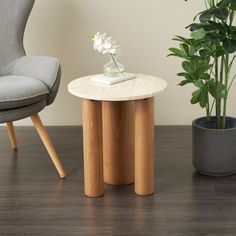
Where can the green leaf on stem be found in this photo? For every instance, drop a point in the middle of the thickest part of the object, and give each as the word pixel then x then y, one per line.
pixel 187 66
pixel 230 45
pixel 213 37
pixel 177 53
pixel 195 96
pixel 217 26
pixel 226 3
pixel 184 82
pixel 198 34
pixel 202 97
pixel 216 89
pixel 199 83
pixel 220 13
pixel 195 26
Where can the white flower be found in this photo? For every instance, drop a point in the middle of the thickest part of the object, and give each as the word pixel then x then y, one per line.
pixel 113 51
pixel 100 48
pixel 97 43
pixel 107 45
pixel 104 44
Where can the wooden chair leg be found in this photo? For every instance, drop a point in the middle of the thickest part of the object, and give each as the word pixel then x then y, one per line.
pixel 48 144
pixel 12 135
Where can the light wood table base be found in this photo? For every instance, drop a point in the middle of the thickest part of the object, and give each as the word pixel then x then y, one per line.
pixel 116 133
pixel 93 153
pixel 118 142
pixel 144 147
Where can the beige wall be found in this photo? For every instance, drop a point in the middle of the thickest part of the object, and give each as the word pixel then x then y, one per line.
pixel 143 28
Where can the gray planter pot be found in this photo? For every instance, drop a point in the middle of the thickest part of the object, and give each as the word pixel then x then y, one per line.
pixel 214 150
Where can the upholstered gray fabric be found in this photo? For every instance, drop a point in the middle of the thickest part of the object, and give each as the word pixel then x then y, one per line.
pixel 45 69
pixel 25 81
pixel 53 91
pixel 22 112
pixel 19 91
pixel 13 18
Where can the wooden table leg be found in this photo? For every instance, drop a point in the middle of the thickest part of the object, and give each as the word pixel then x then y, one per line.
pixel 93 154
pixel 144 147
pixel 118 142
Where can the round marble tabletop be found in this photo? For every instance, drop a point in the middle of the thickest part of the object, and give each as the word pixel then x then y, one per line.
pixel 141 87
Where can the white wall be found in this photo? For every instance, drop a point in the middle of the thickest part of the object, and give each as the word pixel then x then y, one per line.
pixel 143 28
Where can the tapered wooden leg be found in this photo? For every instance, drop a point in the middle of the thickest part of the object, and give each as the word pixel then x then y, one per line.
pixel 92 138
pixel 118 142
pixel 12 135
pixel 144 147
pixel 48 144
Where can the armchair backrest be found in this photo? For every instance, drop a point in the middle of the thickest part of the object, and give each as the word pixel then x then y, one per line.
pixel 13 18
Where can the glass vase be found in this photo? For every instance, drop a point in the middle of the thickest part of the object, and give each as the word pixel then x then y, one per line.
pixel 113 68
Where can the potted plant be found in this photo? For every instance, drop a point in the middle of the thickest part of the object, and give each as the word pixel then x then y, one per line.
pixel 208 56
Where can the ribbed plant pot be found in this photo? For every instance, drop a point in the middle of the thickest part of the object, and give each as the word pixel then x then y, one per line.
pixel 214 150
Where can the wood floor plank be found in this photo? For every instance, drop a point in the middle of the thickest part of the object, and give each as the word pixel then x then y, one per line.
pixel 34 201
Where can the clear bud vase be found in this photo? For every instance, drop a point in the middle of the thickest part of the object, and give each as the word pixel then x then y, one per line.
pixel 113 68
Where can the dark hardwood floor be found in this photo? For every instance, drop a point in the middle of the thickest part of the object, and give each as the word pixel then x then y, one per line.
pixel 34 201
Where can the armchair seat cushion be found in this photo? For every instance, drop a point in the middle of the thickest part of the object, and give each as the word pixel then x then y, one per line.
pixel 20 91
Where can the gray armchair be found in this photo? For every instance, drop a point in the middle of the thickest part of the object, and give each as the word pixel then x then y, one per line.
pixel 27 84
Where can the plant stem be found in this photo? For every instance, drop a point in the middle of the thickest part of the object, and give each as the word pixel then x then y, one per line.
pixel 226 66
pixel 115 62
pixel 218 100
pixel 221 82
pixel 212 106
pixel 222 69
pixel 207 104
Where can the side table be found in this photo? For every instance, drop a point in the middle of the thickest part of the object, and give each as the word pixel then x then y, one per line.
pixel 118 132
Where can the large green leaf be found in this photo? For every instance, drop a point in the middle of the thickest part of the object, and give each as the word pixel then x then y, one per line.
pixel 204 53
pixel 198 34
pixel 184 82
pixel 195 26
pixel 216 89
pixel 190 77
pixel 230 45
pixel 187 66
pixel 177 53
pixel 180 39
pixel 206 15
pixel 220 13
pixel 202 97
pixel 182 74
pixel 208 27
pixel 226 3
pixel 218 26
pixel 205 76
pixel 199 84
pixel 185 49
pixel 213 37
pixel 195 96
